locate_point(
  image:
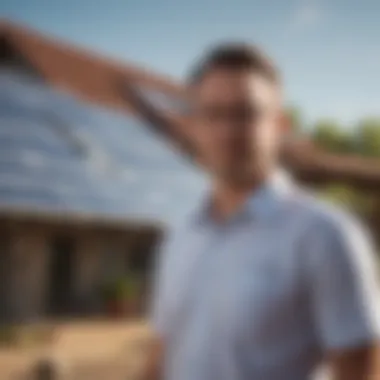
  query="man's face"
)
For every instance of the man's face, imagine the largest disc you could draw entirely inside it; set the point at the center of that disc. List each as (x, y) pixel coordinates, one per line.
(236, 124)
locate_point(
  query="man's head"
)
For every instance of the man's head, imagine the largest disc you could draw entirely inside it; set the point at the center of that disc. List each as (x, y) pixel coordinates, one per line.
(236, 118)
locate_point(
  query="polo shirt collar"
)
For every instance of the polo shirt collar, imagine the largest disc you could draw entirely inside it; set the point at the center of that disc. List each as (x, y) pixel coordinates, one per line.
(263, 203)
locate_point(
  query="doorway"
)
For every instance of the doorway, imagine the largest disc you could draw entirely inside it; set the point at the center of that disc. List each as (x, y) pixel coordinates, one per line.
(140, 262)
(61, 273)
(140, 255)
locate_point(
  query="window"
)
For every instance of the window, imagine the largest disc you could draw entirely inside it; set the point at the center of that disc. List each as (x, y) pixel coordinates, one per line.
(113, 262)
(140, 251)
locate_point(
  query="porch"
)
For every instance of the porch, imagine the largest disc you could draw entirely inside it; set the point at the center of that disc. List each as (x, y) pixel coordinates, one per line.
(55, 268)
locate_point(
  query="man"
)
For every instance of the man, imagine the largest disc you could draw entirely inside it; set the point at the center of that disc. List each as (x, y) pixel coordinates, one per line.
(263, 281)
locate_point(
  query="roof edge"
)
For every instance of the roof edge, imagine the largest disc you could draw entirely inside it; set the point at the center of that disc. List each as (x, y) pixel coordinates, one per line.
(17, 31)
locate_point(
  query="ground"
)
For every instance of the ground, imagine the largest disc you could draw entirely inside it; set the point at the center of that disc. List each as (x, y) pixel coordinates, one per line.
(83, 350)
(91, 350)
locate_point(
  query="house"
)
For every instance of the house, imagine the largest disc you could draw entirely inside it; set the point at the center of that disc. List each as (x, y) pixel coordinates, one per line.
(85, 188)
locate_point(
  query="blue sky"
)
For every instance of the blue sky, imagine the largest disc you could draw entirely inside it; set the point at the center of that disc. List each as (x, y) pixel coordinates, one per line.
(328, 50)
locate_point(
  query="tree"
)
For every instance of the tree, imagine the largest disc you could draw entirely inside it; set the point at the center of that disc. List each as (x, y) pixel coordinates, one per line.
(330, 136)
(348, 197)
(368, 137)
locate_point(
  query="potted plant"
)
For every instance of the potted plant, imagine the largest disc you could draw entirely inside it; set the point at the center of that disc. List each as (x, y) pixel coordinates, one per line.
(121, 295)
(133, 293)
(113, 297)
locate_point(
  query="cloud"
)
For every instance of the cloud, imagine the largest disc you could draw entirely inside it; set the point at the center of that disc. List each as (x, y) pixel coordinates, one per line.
(307, 14)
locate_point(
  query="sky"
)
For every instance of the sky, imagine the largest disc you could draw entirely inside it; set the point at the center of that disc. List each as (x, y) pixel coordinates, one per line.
(327, 50)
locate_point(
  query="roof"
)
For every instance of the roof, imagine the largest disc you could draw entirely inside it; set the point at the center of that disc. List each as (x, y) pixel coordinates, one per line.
(83, 72)
(20, 214)
(65, 157)
(312, 165)
(91, 77)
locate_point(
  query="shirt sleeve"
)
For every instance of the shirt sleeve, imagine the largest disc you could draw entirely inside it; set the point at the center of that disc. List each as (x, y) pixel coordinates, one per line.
(343, 285)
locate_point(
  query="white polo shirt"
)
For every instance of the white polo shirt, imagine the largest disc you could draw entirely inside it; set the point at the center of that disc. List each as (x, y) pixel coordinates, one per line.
(265, 294)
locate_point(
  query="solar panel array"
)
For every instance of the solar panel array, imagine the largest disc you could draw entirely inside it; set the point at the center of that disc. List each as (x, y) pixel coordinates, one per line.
(58, 154)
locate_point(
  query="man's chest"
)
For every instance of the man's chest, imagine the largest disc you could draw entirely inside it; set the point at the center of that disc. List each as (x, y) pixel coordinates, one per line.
(237, 281)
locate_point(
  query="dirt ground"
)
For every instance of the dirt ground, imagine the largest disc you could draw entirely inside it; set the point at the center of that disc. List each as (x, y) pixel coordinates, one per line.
(97, 350)
(83, 351)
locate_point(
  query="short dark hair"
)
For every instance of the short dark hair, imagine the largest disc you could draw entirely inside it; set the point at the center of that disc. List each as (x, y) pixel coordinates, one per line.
(235, 56)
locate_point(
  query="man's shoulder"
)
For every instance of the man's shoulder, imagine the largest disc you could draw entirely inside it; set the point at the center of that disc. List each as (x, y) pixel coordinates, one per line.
(325, 217)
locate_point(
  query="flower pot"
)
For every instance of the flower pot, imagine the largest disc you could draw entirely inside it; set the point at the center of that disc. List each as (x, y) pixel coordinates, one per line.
(133, 307)
(115, 308)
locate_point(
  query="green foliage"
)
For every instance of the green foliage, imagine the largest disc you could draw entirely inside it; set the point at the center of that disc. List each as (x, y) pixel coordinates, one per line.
(368, 137)
(332, 137)
(121, 288)
(348, 198)
(364, 140)
(338, 194)
(328, 134)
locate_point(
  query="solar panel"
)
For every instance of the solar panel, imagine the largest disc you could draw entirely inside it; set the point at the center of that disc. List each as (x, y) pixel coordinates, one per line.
(162, 100)
(59, 154)
(131, 143)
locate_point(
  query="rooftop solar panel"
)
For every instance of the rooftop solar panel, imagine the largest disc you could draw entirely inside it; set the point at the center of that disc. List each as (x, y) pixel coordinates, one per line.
(57, 153)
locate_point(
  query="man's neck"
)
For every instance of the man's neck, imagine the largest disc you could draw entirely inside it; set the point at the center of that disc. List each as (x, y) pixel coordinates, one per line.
(228, 197)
